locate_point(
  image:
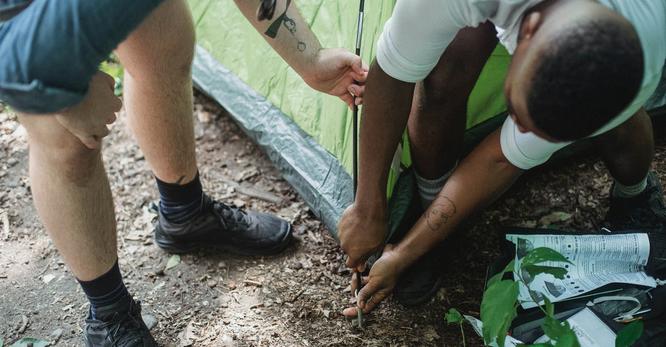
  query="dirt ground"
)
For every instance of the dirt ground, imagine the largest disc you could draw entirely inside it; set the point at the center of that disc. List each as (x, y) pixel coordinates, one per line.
(294, 299)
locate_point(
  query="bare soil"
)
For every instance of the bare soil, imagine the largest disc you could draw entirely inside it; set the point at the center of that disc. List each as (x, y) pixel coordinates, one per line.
(294, 299)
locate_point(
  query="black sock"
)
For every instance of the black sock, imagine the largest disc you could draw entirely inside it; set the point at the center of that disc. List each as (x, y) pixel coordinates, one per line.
(106, 290)
(179, 203)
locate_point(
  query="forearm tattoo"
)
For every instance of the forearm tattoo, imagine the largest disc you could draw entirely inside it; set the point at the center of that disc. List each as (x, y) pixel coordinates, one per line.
(289, 24)
(439, 213)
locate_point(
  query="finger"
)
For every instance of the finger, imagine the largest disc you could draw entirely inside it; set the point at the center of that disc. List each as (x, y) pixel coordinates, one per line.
(355, 90)
(367, 292)
(348, 99)
(358, 101)
(349, 312)
(364, 281)
(357, 64)
(110, 81)
(90, 141)
(375, 300)
(112, 118)
(117, 104)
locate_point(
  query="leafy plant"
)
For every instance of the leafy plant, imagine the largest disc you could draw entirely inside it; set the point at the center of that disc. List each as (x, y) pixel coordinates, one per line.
(454, 317)
(500, 302)
(629, 334)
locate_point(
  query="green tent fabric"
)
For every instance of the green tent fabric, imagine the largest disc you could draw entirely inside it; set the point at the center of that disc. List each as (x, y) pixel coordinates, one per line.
(305, 133)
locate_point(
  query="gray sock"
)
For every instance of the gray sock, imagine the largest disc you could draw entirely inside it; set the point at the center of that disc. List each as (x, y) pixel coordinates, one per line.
(622, 191)
(429, 188)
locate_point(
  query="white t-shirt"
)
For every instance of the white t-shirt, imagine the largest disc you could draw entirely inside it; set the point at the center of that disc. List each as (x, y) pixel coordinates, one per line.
(419, 31)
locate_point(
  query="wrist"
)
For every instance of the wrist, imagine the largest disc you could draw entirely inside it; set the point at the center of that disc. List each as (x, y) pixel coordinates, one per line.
(374, 208)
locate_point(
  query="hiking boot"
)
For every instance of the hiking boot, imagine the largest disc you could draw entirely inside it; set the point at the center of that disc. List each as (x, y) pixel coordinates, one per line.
(116, 326)
(221, 226)
(420, 282)
(646, 210)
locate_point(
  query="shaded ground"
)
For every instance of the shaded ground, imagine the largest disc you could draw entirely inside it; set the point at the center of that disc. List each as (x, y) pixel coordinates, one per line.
(295, 299)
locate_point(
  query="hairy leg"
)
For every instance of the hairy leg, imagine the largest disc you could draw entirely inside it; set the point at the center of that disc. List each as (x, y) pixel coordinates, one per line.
(72, 196)
(158, 90)
(628, 149)
(437, 121)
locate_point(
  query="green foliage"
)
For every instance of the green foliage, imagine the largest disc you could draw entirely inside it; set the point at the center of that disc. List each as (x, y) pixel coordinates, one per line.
(533, 270)
(559, 332)
(453, 317)
(629, 334)
(498, 309)
(541, 255)
(499, 303)
(508, 268)
(30, 342)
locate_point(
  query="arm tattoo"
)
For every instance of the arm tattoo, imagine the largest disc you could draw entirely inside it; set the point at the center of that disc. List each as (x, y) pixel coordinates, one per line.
(289, 24)
(439, 213)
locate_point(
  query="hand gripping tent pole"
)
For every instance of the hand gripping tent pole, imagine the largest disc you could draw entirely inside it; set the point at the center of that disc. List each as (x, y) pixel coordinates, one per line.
(359, 35)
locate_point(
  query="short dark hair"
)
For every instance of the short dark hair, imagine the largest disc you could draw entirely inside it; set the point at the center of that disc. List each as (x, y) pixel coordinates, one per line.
(586, 77)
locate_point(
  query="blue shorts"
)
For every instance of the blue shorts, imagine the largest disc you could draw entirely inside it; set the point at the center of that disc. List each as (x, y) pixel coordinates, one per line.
(50, 49)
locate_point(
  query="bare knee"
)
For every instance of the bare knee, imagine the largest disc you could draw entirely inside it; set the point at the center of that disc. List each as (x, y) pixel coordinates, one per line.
(54, 148)
(161, 49)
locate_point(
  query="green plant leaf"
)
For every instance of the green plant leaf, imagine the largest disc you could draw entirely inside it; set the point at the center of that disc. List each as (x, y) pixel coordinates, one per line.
(543, 254)
(498, 277)
(533, 270)
(629, 334)
(498, 309)
(453, 316)
(30, 341)
(560, 332)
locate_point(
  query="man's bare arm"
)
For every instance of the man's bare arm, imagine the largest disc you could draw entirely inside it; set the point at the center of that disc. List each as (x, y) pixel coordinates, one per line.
(334, 71)
(479, 179)
(387, 103)
(286, 32)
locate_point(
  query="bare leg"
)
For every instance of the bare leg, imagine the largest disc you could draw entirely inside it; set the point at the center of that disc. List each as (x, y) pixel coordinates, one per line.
(628, 149)
(72, 196)
(158, 90)
(439, 110)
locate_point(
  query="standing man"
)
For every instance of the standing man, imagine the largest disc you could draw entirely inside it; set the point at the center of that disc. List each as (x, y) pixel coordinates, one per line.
(580, 69)
(49, 73)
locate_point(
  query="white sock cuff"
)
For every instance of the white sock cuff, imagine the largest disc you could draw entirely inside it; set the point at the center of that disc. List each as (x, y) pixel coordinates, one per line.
(429, 188)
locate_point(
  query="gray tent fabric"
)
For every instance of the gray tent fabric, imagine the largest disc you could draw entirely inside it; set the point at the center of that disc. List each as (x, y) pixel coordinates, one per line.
(315, 174)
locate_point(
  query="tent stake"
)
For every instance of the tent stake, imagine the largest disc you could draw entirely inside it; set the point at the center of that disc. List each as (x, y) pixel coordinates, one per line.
(359, 35)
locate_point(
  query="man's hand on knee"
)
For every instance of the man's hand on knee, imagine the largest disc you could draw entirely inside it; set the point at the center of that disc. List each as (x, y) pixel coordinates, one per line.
(89, 119)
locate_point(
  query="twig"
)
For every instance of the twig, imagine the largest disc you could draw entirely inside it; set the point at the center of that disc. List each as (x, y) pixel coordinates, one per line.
(254, 193)
(254, 283)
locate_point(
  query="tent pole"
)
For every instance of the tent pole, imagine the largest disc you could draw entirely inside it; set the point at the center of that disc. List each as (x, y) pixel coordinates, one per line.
(359, 35)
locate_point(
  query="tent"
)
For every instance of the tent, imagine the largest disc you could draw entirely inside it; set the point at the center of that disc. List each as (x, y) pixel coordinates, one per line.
(306, 134)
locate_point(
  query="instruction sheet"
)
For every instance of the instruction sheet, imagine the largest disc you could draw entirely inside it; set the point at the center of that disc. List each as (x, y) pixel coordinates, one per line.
(597, 260)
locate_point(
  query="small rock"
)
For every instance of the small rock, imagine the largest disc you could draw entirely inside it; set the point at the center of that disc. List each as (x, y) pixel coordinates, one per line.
(149, 320)
(211, 283)
(48, 278)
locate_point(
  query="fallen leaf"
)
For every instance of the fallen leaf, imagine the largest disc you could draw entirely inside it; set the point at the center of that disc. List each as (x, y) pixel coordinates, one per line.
(172, 262)
(555, 217)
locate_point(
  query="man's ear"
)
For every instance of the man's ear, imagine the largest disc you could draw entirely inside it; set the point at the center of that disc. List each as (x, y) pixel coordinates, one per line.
(530, 25)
